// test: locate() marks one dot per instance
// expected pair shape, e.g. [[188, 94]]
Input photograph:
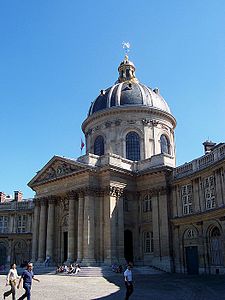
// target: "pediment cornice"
[[58, 167]]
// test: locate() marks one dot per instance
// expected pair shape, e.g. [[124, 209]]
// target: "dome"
[[128, 91]]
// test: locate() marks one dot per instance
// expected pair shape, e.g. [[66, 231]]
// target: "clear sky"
[[56, 55]]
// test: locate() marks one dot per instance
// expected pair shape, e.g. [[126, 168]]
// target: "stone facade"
[[125, 200], [16, 217]]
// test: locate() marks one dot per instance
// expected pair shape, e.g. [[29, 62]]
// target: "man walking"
[[27, 277], [128, 282]]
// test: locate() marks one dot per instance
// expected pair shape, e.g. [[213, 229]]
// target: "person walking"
[[11, 280], [27, 277], [128, 277]]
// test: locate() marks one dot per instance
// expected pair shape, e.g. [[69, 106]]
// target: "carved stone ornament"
[[57, 170], [118, 122], [108, 124], [65, 221], [150, 122], [64, 204], [115, 191]]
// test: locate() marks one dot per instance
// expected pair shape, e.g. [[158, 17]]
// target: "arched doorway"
[[64, 238], [21, 253], [215, 247], [3, 254], [190, 244], [128, 245]]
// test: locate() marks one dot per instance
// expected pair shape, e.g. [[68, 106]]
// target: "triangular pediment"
[[56, 168]]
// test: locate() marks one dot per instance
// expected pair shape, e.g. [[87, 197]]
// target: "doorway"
[[128, 245], [3, 255], [192, 259]]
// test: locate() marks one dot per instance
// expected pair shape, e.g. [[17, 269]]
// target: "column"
[[80, 227], [107, 230], [111, 234], [50, 228], [120, 230], [35, 227], [71, 229], [101, 226], [42, 231], [89, 229], [164, 231]]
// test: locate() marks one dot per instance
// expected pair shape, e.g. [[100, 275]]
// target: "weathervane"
[[126, 47]]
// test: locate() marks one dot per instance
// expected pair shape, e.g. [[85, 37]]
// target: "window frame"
[[133, 146]]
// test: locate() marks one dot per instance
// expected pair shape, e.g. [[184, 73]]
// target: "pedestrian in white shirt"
[[11, 280], [128, 282]]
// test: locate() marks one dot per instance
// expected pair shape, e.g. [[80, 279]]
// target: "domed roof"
[[127, 91]]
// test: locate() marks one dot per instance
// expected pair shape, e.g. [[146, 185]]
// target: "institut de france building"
[[125, 199]]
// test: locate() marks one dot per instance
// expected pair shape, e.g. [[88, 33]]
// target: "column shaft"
[[80, 227], [42, 231], [71, 229], [35, 227], [50, 229], [89, 230]]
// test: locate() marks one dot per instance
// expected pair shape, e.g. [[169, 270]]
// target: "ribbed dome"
[[127, 91]]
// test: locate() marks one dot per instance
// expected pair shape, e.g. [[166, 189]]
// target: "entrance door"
[[128, 246], [65, 245], [192, 259], [3, 256]]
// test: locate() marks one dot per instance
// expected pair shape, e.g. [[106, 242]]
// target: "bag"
[[12, 281]]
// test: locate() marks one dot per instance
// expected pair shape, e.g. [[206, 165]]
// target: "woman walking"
[[11, 280]]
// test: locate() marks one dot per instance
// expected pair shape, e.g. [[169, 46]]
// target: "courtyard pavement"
[[148, 287]]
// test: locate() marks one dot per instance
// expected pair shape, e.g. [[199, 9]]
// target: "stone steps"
[[104, 271]]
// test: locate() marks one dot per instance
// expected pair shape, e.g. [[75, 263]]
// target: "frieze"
[[108, 124], [118, 122], [131, 121], [150, 122], [156, 191], [71, 194]]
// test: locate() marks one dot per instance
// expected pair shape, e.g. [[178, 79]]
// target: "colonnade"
[[93, 220]]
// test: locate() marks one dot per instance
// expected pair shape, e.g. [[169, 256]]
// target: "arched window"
[[216, 247], [133, 146], [165, 144], [99, 145], [148, 242]]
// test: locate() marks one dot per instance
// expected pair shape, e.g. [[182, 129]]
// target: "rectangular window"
[[4, 224], [209, 192], [21, 223], [186, 197]]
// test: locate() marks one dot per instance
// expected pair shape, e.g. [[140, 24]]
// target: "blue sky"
[[55, 57]]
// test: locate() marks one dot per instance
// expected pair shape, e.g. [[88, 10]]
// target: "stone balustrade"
[[200, 163]]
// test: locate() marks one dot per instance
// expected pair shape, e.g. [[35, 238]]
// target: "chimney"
[[208, 146], [2, 197], [18, 196]]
